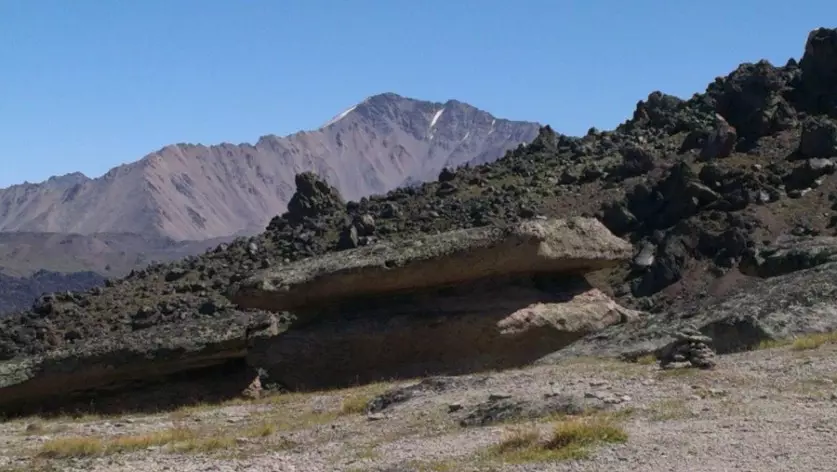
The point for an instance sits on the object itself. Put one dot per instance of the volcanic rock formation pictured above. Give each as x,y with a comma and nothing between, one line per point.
487,298
491,324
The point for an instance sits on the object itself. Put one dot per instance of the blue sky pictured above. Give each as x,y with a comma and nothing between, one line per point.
86,85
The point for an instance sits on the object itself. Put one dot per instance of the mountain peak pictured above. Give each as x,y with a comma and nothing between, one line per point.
377,100
196,192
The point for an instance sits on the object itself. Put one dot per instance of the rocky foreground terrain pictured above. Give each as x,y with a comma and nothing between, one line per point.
767,410
698,227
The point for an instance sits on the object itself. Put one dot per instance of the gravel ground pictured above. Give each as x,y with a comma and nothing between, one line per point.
768,410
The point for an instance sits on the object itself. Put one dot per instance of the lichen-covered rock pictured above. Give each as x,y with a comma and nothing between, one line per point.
790,254
760,310
115,362
501,409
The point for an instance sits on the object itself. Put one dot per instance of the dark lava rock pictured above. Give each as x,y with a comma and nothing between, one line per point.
432,385
819,138
446,175
817,87
501,409
720,142
751,100
806,175
313,197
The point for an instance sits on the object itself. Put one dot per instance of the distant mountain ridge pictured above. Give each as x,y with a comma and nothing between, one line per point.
109,254
17,293
197,192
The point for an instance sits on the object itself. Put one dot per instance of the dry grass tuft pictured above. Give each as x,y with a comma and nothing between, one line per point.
801,343
355,404
813,341
180,439
64,448
261,430
572,438
205,444
648,359
518,439
358,397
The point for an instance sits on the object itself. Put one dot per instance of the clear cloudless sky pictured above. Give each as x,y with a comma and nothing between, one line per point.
86,85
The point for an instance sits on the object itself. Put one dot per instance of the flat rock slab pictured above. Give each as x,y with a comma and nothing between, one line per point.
574,245
115,362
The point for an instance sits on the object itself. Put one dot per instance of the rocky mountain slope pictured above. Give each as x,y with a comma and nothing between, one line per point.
35,263
196,192
697,186
17,293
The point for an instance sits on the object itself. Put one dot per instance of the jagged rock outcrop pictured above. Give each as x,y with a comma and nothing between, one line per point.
772,309
313,197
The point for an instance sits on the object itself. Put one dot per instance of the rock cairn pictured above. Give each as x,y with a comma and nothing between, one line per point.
689,346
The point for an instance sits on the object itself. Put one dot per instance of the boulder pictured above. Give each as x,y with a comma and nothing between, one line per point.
574,245
806,175
818,139
720,142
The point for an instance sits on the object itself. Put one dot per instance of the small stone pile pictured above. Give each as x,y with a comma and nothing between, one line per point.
689,346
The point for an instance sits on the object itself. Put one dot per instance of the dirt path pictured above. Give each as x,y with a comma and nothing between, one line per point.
768,410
